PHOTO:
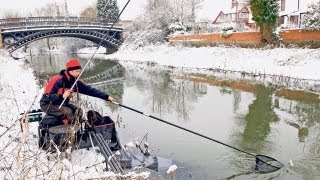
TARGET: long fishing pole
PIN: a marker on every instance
(272, 164)
(96, 50)
(182, 128)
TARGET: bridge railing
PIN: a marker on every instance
(52, 21)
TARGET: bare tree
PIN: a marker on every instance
(154, 5)
(158, 16)
(179, 6)
(90, 11)
(185, 10)
(51, 9)
(11, 14)
(194, 6)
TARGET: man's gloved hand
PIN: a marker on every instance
(67, 93)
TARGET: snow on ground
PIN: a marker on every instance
(90, 50)
(18, 87)
(296, 63)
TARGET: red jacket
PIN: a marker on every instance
(60, 83)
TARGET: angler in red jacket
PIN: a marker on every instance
(58, 89)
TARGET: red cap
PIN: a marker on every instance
(73, 64)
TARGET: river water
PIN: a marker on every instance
(259, 119)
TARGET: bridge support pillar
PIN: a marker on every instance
(1, 43)
(111, 50)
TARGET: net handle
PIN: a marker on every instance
(201, 135)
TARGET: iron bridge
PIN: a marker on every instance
(18, 32)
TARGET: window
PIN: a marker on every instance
(294, 21)
(244, 15)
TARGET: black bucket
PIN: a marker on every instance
(64, 135)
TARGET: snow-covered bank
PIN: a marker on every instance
(18, 87)
(295, 63)
(89, 50)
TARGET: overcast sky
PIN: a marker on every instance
(210, 8)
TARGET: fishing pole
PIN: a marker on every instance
(263, 163)
(96, 50)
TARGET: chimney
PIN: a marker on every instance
(233, 3)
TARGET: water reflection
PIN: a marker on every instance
(304, 115)
(236, 100)
(102, 70)
(258, 119)
(307, 113)
(167, 95)
(308, 116)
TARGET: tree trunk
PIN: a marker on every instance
(266, 34)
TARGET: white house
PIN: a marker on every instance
(239, 12)
(291, 12)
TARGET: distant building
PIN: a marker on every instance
(239, 12)
(291, 12)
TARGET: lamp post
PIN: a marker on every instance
(67, 13)
(237, 14)
(66, 8)
(299, 17)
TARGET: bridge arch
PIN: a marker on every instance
(18, 32)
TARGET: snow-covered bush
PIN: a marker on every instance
(227, 29)
(208, 27)
(227, 33)
(149, 28)
(312, 18)
(228, 26)
(176, 27)
(144, 38)
(284, 26)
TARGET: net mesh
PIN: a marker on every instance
(266, 164)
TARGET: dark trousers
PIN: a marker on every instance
(67, 111)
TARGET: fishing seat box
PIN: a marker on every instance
(61, 135)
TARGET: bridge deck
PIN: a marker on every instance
(31, 22)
